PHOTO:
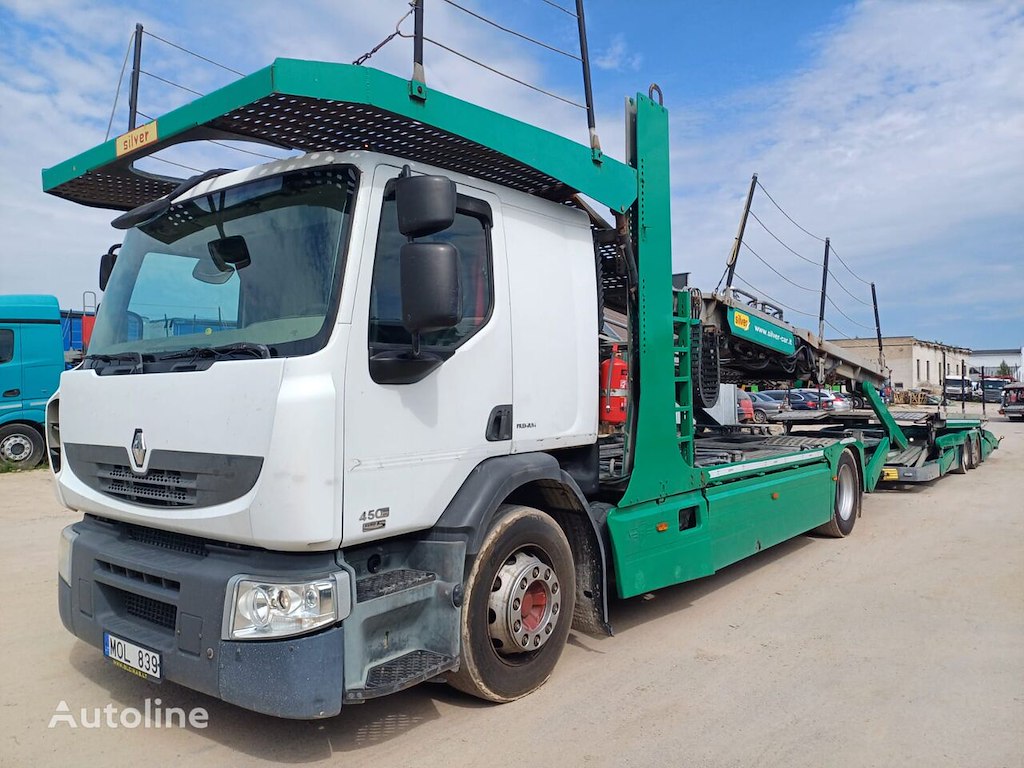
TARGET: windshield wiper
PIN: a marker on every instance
(118, 357)
(135, 358)
(238, 349)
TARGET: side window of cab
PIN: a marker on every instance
(6, 345)
(471, 236)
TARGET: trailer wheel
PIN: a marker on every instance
(21, 446)
(961, 465)
(520, 596)
(846, 506)
(973, 452)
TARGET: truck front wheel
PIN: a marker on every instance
(846, 506)
(21, 446)
(520, 596)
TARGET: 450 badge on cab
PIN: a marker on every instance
(375, 519)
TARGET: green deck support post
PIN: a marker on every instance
(896, 436)
(659, 469)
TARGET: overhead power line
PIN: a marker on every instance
(773, 269)
(193, 53)
(117, 93)
(764, 295)
(169, 82)
(792, 220)
(838, 282)
(520, 35)
(837, 309)
(780, 242)
(559, 7)
(866, 282)
(507, 76)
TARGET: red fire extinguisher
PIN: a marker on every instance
(614, 387)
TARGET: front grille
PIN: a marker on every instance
(146, 608)
(177, 542)
(175, 479)
(140, 576)
(162, 488)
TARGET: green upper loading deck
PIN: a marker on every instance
(315, 106)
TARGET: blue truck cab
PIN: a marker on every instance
(31, 361)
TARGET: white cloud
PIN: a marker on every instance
(902, 142)
(617, 56)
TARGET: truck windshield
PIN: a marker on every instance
(252, 267)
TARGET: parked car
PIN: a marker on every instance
(799, 399)
(744, 407)
(765, 406)
(837, 401)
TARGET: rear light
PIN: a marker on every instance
(811, 404)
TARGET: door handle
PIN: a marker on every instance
(12, 393)
(499, 424)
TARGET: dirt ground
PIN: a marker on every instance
(902, 645)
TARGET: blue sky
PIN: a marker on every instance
(894, 128)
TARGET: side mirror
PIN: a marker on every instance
(107, 261)
(431, 301)
(431, 295)
(426, 204)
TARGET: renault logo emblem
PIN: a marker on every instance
(139, 449)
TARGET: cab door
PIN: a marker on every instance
(409, 447)
(10, 368)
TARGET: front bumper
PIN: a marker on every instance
(167, 593)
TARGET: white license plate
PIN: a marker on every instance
(138, 660)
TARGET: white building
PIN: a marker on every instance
(913, 363)
(991, 359)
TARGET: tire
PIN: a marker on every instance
(21, 446)
(960, 466)
(846, 505)
(524, 555)
(973, 453)
(760, 416)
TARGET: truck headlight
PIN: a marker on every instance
(262, 609)
(67, 541)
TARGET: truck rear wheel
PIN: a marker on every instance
(520, 596)
(961, 464)
(973, 452)
(846, 506)
(21, 446)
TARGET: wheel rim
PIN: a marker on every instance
(760, 417)
(15, 448)
(524, 604)
(846, 495)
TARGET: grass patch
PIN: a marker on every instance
(6, 468)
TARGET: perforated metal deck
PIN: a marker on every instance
(317, 107)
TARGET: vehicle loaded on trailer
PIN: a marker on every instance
(338, 485)
(31, 360)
